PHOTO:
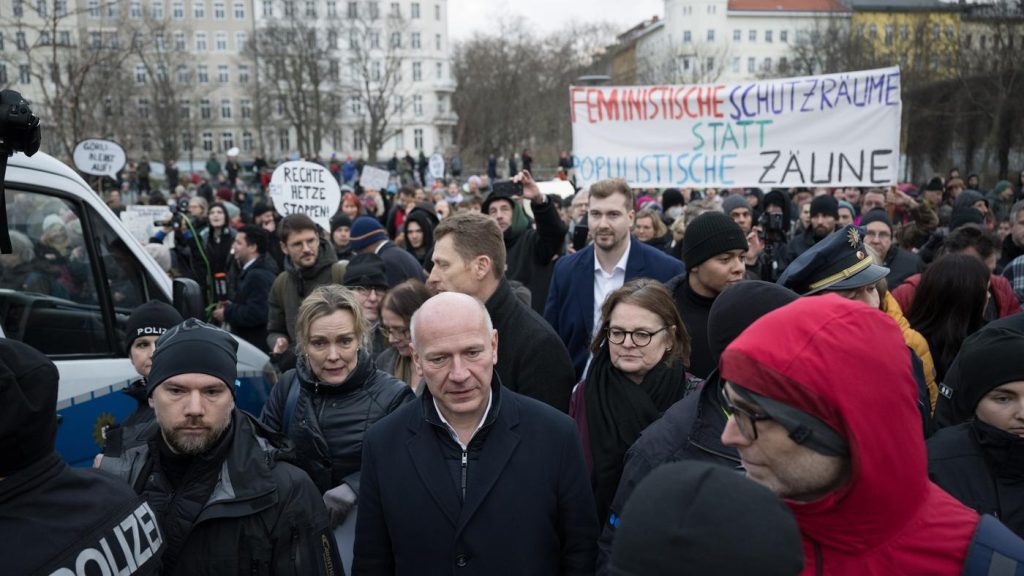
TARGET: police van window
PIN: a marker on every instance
(48, 291)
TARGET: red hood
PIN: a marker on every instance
(847, 364)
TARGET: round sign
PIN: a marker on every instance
(305, 188)
(436, 166)
(99, 157)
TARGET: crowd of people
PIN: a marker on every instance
(490, 380)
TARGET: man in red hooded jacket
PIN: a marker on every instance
(828, 420)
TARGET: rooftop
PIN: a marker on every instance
(787, 6)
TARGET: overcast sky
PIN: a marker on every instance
(468, 16)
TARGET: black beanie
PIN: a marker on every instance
(194, 347)
(702, 518)
(151, 319)
(876, 215)
(365, 271)
(709, 235)
(339, 220)
(739, 306)
(28, 406)
(670, 198)
(826, 205)
(962, 216)
(989, 358)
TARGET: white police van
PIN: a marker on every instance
(67, 290)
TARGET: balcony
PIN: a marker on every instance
(446, 119)
(446, 85)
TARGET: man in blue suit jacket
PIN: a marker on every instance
(581, 282)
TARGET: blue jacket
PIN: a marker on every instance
(570, 305)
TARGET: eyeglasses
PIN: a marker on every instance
(399, 333)
(366, 290)
(640, 338)
(745, 421)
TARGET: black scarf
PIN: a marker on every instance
(618, 410)
(1003, 450)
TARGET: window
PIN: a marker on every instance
(186, 141)
(417, 104)
(711, 35)
(220, 41)
(332, 9)
(768, 36)
(967, 40)
(1, 41)
(61, 8)
(143, 107)
(949, 32)
(358, 138)
(399, 103)
(179, 41)
(225, 109)
(710, 64)
(24, 74)
(93, 7)
(415, 40)
(207, 141)
(414, 10)
(247, 141)
(417, 71)
(95, 40)
(353, 40)
(437, 12)
(889, 34)
(767, 66)
(686, 37)
(752, 35)
(439, 70)
(246, 108)
(268, 8)
(3, 73)
(784, 36)
(873, 32)
(783, 64)
(219, 11)
(904, 32)
(396, 40)
(199, 10)
(375, 70)
(310, 8)
(243, 73)
(736, 64)
(183, 74)
(751, 65)
(134, 9)
(200, 41)
(18, 8)
(239, 9)
(289, 8)
(417, 138)
(178, 10)
(158, 10)
(396, 10)
(205, 111)
(374, 10)
(223, 76)
(936, 32)
(357, 107)
(44, 38)
(437, 41)
(114, 40)
(241, 39)
(284, 140)
(202, 74)
(374, 39)
(353, 10)
(22, 44)
(65, 39)
(737, 35)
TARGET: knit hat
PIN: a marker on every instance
(934, 185)
(848, 206)
(734, 201)
(194, 347)
(965, 215)
(968, 198)
(991, 358)
(709, 235)
(340, 220)
(366, 271)
(876, 215)
(671, 197)
(151, 319)
(740, 306)
(826, 205)
(28, 406)
(701, 518)
(366, 230)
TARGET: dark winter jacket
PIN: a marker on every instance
(524, 505)
(902, 265)
(246, 313)
(983, 467)
(694, 310)
(1009, 252)
(241, 508)
(218, 248)
(329, 422)
(531, 358)
(798, 245)
(54, 518)
(531, 253)
(292, 286)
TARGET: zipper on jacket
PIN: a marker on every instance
(713, 452)
(465, 463)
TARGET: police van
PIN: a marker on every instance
(74, 276)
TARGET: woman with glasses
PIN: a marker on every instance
(332, 396)
(637, 371)
(396, 313)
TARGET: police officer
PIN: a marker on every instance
(55, 519)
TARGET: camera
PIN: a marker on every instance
(773, 229)
(177, 212)
(19, 132)
(507, 188)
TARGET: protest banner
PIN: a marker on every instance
(374, 178)
(141, 221)
(831, 130)
(99, 157)
(301, 187)
(436, 166)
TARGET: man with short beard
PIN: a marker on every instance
(216, 478)
(824, 215)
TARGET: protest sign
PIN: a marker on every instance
(301, 187)
(140, 220)
(374, 178)
(99, 157)
(436, 166)
(831, 130)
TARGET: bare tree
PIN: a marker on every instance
(677, 63)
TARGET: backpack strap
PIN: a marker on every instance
(289, 404)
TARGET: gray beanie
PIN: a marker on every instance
(734, 201)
